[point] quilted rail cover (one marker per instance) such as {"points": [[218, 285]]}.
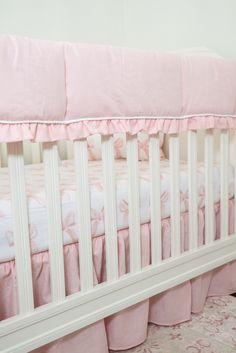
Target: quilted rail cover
{"points": [[54, 90]]}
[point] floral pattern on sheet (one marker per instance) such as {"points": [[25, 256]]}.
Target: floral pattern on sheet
{"points": [[94, 146], [213, 331], [37, 211]]}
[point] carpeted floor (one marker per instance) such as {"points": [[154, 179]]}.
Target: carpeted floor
{"points": [[213, 331]]}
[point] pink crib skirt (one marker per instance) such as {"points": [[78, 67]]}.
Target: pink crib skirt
{"points": [[127, 328]]}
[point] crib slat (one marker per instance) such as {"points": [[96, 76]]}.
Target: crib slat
{"points": [[224, 165], [134, 207], [155, 199], [20, 227], [175, 195], [51, 172], [209, 201], [69, 149], [3, 154], [84, 217], [110, 208], [235, 182], [36, 153], [32, 152], [192, 186], [27, 152], [61, 146]]}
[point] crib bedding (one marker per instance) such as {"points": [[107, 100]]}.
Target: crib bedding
{"points": [[64, 91], [37, 203], [128, 327], [58, 90]]}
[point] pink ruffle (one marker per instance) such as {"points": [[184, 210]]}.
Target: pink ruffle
{"points": [[46, 132]]}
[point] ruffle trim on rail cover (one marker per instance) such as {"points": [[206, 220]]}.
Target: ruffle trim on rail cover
{"points": [[41, 131]]}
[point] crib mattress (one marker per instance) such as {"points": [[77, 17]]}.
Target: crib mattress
{"points": [[35, 188]]}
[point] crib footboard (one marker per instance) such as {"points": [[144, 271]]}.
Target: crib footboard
{"points": [[34, 327]]}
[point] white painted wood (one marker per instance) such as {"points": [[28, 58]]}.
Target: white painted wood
{"points": [[27, 152], [53, 321], [20, 227], [224, 192], [234, 181], [109, 192], [134, 204], [192, 190], [155, 198], [32, 152], [69, 150], [209, 201], [52, 189], [36, 153], [3, 153], [61, 145], [24, 333], [174, 195], [83, 214]]}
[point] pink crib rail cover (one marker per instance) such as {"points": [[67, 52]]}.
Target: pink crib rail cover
{"points": [[54, 90]]}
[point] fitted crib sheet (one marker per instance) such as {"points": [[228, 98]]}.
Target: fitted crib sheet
{"points": [[35, 188]]}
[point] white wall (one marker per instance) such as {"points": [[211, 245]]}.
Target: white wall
{"points": [[98, 21], [175, 24], [158, 24]]}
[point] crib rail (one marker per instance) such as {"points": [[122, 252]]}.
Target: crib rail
{"points": [[83, 214], [20, 227], [134, 211], [34, 327], [209, 202], [224, 162], [110, 208], [192, 190], [175, 196], [155, 199], [51, 172]]}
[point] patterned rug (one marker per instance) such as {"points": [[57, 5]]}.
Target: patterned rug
{"points": [[213, 331]]}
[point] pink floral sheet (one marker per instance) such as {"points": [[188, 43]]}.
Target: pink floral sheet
{"points": [[35, 187]]}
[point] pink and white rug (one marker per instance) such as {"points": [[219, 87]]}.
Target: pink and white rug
{"points": [[212, 331]]}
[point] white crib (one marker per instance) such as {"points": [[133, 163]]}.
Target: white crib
{"points": [[59, 94], [34, 327]]}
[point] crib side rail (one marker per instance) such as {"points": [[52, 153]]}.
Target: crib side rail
{"points": [[20, 227], [65, 314]]}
